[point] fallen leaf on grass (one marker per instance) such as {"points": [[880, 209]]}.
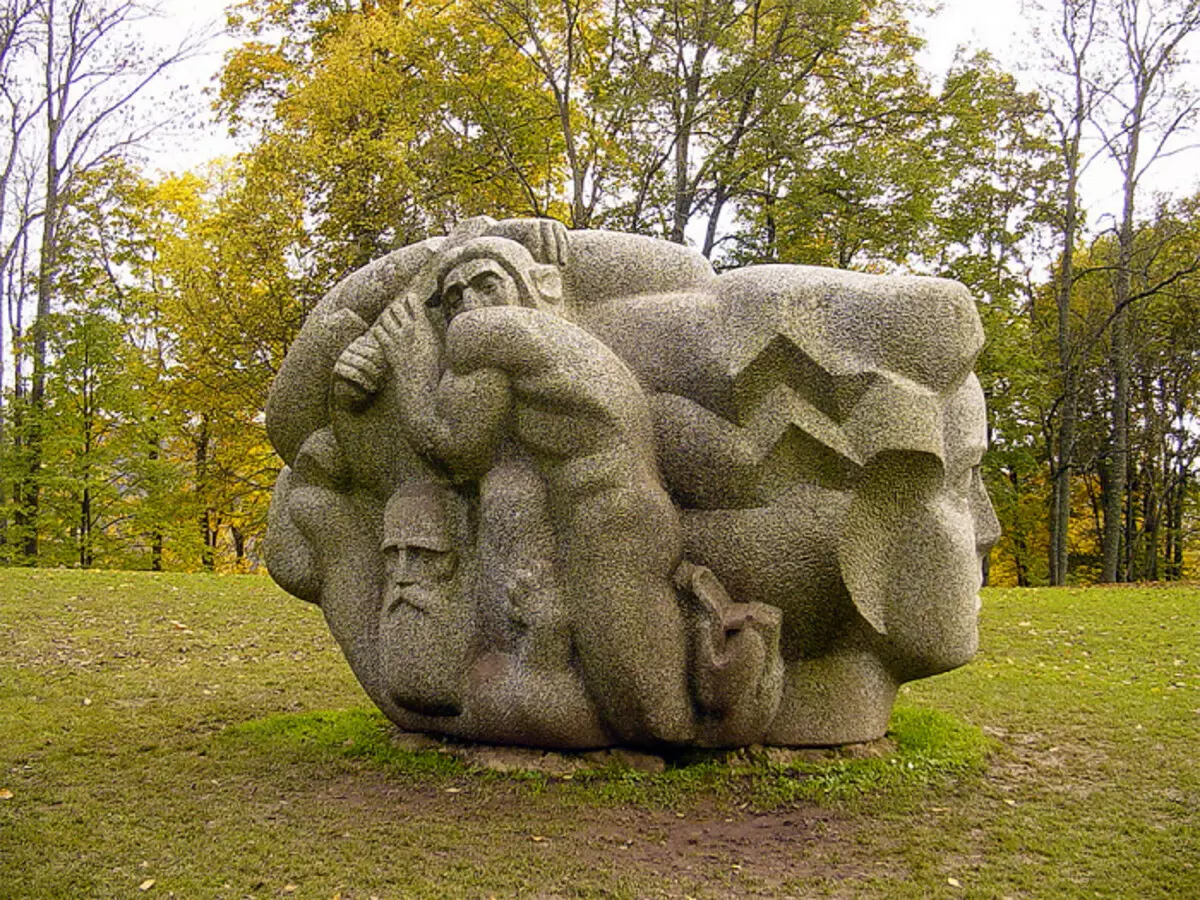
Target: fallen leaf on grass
{"points": [[289, 889], [1010, 802], [537, 838], [953, 882], [6, 794], [453, 790], [146, 885]]}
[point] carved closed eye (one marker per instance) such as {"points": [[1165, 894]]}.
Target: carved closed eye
{"points": [[487, 284], [962, 481]]}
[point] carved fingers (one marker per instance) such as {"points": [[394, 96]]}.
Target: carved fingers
{"points": [[362, 364], [545, 239], [552, 242], [407, 338], [401, 341]]}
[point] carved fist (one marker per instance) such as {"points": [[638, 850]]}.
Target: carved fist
{"points": [[408, 341], [362, 364], [401, 340]]}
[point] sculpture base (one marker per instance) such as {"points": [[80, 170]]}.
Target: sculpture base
{"points": [[565, 764]]}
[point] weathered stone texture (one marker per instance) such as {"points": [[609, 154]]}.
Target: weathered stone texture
{"points": [[574, 489]]}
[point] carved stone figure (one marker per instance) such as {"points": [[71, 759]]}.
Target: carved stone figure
{"points": [[575, 489]]}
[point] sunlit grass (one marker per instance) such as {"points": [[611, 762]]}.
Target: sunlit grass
{"points": [[205, 734]]}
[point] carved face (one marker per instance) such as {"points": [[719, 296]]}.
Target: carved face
{"points": [[475, 284], [934, 623], [966, 441], [418, 552], [416, 576]]}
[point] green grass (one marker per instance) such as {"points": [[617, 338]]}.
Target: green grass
{"points": [[204, 733]]}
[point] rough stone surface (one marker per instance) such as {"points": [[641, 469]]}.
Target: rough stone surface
{"points": [[576, 490], [500, 758]]}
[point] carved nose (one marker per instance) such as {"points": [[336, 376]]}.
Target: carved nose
{"points": [[987, 526]]}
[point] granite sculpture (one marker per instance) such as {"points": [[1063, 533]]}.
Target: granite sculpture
{"points": [[574, 489]]}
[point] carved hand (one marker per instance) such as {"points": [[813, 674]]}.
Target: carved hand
{"points": [[552, 242], [362, 364], [409, 345], [545, 239]]}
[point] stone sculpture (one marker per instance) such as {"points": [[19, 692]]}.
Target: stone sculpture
{"points": [[574, 489]]}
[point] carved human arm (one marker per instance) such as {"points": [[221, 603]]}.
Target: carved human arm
{"points": [[453, 419]]}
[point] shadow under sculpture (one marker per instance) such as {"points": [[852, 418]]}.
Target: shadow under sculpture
{"points": [[574, 489]]}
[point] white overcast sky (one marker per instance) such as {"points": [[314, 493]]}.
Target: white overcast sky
{"points": [[999, 26]]}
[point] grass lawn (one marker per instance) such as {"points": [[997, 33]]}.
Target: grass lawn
{"points": [[195, 736]]}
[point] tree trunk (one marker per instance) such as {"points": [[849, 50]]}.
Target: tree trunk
{"points": [[1177, 525], [1018, 537], [1118, 452], [47, 269], [1060, 518], [207, 537], [156, 534], [685, 192], [85, 529]]}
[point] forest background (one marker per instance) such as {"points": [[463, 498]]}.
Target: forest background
{"points": [[144, 315]]}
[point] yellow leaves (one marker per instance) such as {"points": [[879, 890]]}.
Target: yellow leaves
{"points": [[252, 70], [417, 106]]}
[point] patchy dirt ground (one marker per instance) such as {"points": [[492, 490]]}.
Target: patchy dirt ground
{"points": [[706, 849]]}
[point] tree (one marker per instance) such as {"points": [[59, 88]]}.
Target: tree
{"points": [[1072, 93], [90, 71], [1143, 114], [388, 123], [1164, 354], [1112, 76], [89, 470], [226, 307], [844, 174], [651, 116]]}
